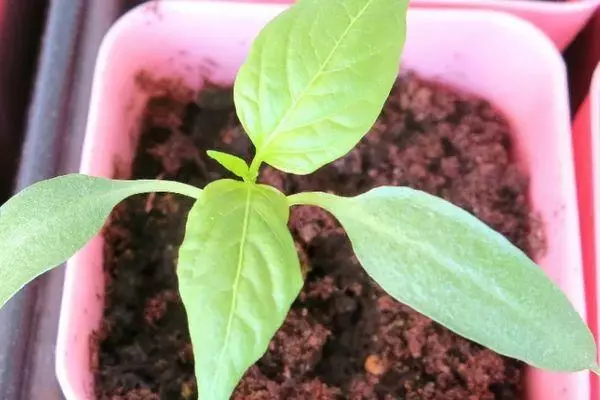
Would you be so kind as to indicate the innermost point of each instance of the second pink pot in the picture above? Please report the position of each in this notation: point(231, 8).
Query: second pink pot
point(560, 20)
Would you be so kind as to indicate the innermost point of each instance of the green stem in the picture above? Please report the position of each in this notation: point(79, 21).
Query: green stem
point(174, 187)
point(300, 199)
point(254, 167)
point(320, 199)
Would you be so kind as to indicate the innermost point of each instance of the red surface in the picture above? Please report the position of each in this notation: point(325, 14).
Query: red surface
point(582, 148)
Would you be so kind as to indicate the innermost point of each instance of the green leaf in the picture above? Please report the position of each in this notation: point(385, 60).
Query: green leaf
point(232, 163)
point(238, 275)
point(46, 223)
point(317, 77)
point(448, 265)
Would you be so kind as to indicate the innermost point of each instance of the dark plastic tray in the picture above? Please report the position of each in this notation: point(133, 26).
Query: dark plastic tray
point(21, 25)
point(54, 132)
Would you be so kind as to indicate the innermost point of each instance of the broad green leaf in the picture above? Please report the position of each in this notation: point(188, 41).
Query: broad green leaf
point(448, 265)
point(232, 163)
point(238, 275)
point(317, 77)
point(48, 222)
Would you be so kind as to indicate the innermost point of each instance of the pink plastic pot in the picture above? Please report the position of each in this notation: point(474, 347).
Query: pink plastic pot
point(586, 147)
point(512, 64)
point(560, 20)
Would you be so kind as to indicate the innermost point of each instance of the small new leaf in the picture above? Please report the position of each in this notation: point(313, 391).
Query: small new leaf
point(238, 275)
point(448, 265)
point(45, 224)
point(232, 163)
point(317, 77)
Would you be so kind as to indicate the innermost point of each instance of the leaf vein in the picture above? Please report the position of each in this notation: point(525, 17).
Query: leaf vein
point(316, 76)
point(236, 283)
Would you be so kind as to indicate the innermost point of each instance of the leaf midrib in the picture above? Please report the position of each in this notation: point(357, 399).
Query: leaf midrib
point(298, 99)
point(236, 283)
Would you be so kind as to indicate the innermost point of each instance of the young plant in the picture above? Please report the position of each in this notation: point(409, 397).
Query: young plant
point(314, 83)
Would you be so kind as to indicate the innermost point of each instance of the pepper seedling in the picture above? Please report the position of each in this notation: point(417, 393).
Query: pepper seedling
point(314, 83)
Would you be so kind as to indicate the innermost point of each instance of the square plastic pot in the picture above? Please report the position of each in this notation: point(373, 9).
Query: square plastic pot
point(512, 64)
point(586, 147)
point(560, 20)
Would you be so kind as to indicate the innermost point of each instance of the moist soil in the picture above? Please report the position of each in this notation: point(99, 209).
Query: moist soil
point(344, 338)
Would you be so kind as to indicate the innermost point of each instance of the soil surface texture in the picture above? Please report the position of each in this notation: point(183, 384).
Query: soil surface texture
point(344, 338)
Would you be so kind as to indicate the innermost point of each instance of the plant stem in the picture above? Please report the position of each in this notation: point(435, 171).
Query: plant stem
point(176, 187)
point(309, 199)
point(298, 199)
point(254, 167)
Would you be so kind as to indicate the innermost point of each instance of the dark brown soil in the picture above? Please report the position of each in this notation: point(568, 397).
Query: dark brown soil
point(344, 337)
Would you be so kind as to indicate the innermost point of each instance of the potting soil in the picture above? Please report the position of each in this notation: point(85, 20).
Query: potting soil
point(344, 338)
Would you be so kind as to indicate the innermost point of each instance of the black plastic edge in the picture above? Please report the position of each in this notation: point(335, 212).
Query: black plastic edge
point(52, 145)
point(21, 27)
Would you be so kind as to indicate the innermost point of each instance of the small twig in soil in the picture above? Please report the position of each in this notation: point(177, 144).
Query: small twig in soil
point(152, 196)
